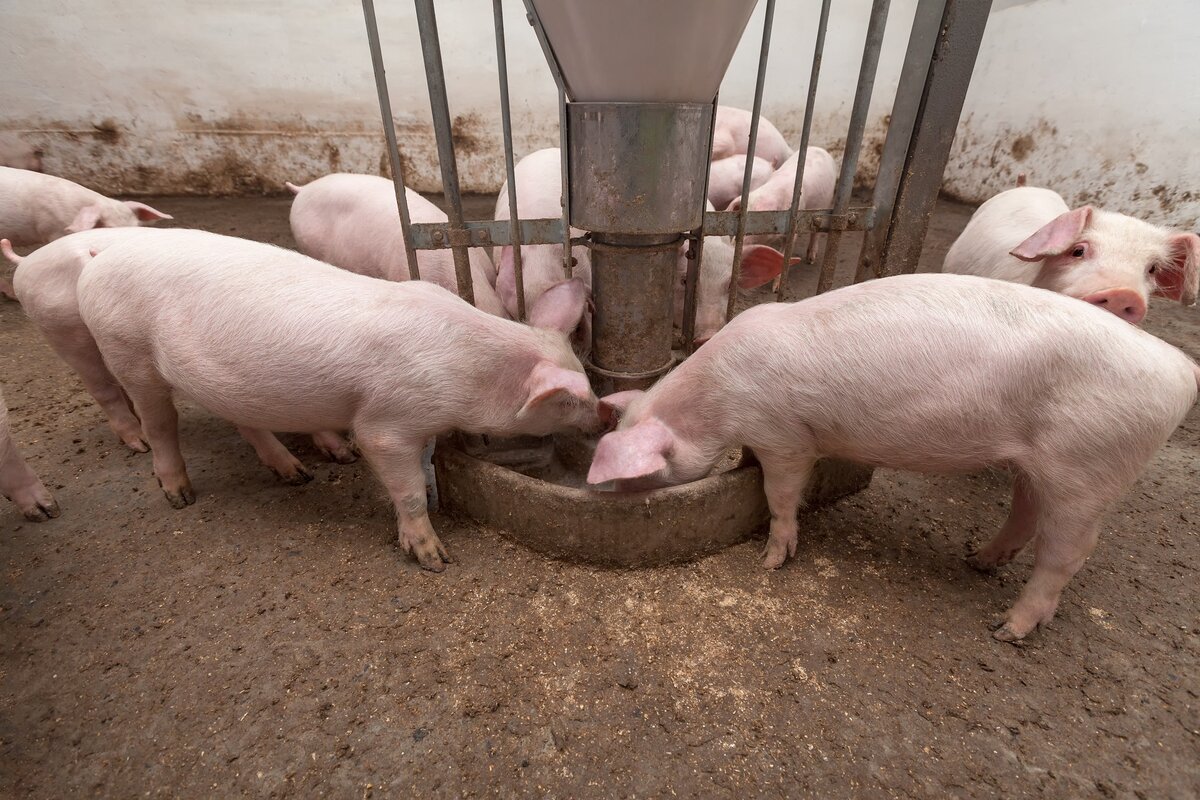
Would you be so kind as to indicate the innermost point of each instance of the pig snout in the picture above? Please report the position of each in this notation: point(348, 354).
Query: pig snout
point(1125, 303)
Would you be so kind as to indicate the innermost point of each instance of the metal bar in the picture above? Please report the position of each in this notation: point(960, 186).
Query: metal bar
point(768, 19)
point(442, 130)
point(486, 233)
point(946, 86)
point(927, 25)
point(565, 199)
point(509, 170)
point(789, 241)
point(389, 133)
point(854, 135)
point(696, 254)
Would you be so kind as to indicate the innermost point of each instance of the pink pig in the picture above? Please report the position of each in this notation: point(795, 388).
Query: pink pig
point(17, 481)
point(539, 196)
point(816, 192)
point(731, 136)
point(46, 283)
point(19, 154)
point(1029, 235)
point(36, 208)
point(931, 373)
point(726, 174)
point(273, 340)
point(351, 221)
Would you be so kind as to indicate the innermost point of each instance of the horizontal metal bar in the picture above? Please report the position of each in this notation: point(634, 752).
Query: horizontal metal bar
point(488, 233)
point(725, 223)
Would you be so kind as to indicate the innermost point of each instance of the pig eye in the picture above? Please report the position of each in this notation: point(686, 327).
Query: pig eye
point(1153, 269)
point(1080, 251)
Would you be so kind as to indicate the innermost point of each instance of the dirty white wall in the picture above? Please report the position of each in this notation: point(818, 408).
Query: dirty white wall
point(1092, 97)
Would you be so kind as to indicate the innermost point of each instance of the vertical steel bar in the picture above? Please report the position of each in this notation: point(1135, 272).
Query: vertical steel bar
point(946, 86)
point(564, 149)
point(389, 132)
point(431, 50)
point(789, 242)
point(509, 169)
point(926, 27)
point(695, 263)
point(854, 136)
point(768, 19)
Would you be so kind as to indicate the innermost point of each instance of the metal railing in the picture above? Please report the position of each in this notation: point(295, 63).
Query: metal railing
point(940, 56)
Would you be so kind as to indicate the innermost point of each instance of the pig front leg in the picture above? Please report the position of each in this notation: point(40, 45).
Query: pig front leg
point(397, 460)
point(1018, 529)
point(275, 456)
point(19, 484)
point(784, 481)
point(1066, 535)
point(334, 447)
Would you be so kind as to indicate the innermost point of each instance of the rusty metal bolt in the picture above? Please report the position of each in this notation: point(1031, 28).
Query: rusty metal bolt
point(437, 236)
point(484, 236)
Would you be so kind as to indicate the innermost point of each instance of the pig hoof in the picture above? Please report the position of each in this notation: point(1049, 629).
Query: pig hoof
point(295, 475)
point(773, 558)
point(181, 499)
point(341, 456)
point(429, 552)
point(137, 445)
point(1004, 630)
point(42, 511)
point(977, 562)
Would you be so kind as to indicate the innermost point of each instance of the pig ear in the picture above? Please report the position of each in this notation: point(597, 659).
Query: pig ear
point(1180, 279)
point(145, 213)
point(561, 307)
point(1055, 236)
point(632, 453)
point(613, 406)
point(85, 220)
point(760, 264)
point(548, 381)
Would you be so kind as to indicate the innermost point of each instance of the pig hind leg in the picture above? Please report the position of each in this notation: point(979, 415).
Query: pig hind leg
point(1018, 530)
point(398, 464)
point(78, 349)
point(275, 456)
point(1066, 529)
point(152, 398)
point(784, 481)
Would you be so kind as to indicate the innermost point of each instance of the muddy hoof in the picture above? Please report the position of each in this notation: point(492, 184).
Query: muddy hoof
point(137, 445)
point(42, 511)
point(429, 552)
point(979, 564)
point(297, 476)
point(181, 499)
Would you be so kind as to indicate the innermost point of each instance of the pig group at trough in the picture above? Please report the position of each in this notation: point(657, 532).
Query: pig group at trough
point(1024, 354)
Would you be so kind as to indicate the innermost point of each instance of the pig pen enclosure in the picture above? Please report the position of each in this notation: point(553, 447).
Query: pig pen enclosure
point(271, 640)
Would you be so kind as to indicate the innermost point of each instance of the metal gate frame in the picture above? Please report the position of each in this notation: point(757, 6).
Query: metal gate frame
point(942, 49)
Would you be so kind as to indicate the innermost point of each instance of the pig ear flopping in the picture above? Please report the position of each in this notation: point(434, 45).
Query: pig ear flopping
point(1180, 279)
point(548, 381)
point(145, 213)
point(561, 307)
point(1055, 237)
point(759, 265)
point(613, 406)
point(631, 453)
point(85, 220)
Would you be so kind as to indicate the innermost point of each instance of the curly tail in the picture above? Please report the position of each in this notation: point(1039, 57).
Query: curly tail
point(6, 249)
point(293, 188)
point(1020, 179)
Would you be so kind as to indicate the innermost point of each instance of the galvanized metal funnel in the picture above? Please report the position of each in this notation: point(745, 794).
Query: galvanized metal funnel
point(664, 51)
